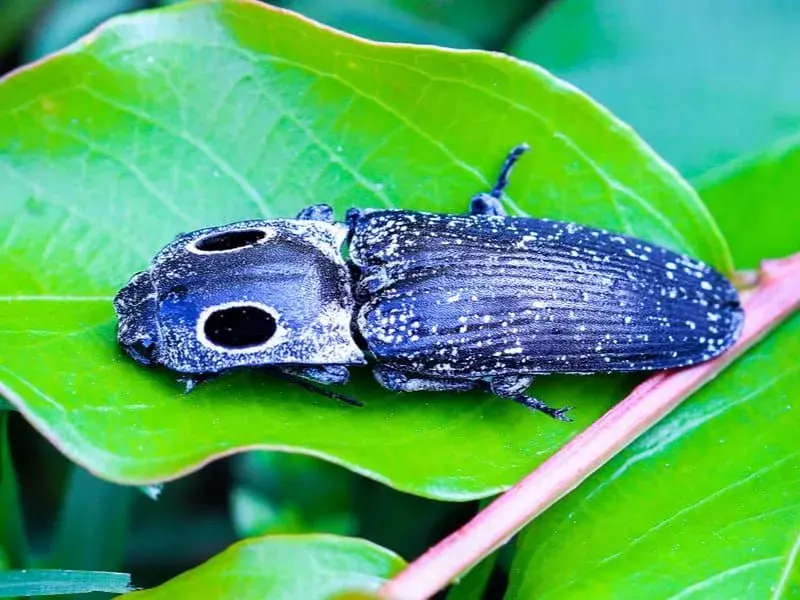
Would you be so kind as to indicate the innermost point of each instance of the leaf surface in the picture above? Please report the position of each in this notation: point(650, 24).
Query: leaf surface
point(704, 86)
point(704, 505)
point(754, 200)
point(312, 567)
point(211, 112)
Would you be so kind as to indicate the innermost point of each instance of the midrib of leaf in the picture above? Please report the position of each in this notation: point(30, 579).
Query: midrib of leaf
point(788, 570)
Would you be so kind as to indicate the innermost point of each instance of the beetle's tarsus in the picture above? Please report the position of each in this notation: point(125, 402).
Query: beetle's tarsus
point(560, 414)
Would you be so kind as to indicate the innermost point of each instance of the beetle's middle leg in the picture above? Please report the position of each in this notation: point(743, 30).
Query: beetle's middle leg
point(400, 381)
point(488, 204)
point(307, 376)
point(513, 387)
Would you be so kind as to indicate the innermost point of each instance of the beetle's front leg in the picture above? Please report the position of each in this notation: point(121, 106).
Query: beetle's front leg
point(399, 381)
point(513, 387)
point(316, 212)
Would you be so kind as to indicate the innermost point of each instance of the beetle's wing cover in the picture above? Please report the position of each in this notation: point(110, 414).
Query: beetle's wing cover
point(467, 296)
point(293, 270)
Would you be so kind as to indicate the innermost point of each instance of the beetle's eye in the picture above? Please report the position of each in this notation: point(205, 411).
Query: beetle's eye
point(142, 351)
point(230, 240)
point(239, 327)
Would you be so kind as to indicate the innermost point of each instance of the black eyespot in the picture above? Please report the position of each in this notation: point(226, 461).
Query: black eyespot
point(230, 240)
point(239, 327)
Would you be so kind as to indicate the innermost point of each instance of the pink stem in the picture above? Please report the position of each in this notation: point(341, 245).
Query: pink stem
point(772, 301)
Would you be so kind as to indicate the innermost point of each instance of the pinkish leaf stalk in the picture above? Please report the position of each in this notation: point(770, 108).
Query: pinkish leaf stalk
point(773, 300)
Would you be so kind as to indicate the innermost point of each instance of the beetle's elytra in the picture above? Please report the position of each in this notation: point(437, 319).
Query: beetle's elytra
point(437, 302)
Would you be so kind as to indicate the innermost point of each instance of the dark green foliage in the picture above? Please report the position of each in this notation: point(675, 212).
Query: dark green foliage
point(197, 115)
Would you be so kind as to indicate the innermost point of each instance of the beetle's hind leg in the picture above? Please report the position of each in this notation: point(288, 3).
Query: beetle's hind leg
point(513, 387)
point(488, 204)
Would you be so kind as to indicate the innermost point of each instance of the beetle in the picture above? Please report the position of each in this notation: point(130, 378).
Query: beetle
point(437, 302)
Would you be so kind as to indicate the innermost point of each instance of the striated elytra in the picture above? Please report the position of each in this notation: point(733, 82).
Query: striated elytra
point(436, 302)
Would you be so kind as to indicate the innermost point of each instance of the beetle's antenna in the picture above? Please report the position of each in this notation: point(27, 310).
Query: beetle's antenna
point(511, 159)
point(316, 389)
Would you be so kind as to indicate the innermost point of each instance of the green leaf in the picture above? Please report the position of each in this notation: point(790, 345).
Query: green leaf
point(764, 188)
point(705, 505)
point(472, 586)
point(702, 85)
point(48, 582)
point(290, 567)
point(210, 112)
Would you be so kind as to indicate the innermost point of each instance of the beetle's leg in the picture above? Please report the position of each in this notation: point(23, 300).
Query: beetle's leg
point(489, 204)
point(325, 374)
point(369, 285)
point(399, 381)
point(508, 386)
point(316, 212)
point(514, 386)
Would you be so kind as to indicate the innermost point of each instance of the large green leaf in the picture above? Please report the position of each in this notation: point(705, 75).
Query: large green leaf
point(702, 83)
point(755, 202)
point(211, 112)
point(705, 505)
point(310, 567)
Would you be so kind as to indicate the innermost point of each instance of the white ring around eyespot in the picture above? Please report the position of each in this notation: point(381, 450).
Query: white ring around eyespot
point(207, 312)
point(269, 233)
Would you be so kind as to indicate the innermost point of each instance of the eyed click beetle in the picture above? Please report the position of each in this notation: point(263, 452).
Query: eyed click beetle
point(437, 302)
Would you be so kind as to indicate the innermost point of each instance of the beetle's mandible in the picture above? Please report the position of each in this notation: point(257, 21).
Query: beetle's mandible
point(436, 302)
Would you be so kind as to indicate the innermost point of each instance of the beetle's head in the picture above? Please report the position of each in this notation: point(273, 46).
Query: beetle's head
point(136, 309)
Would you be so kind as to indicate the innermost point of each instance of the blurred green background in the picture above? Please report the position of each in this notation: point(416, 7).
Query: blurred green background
point(705, 83)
